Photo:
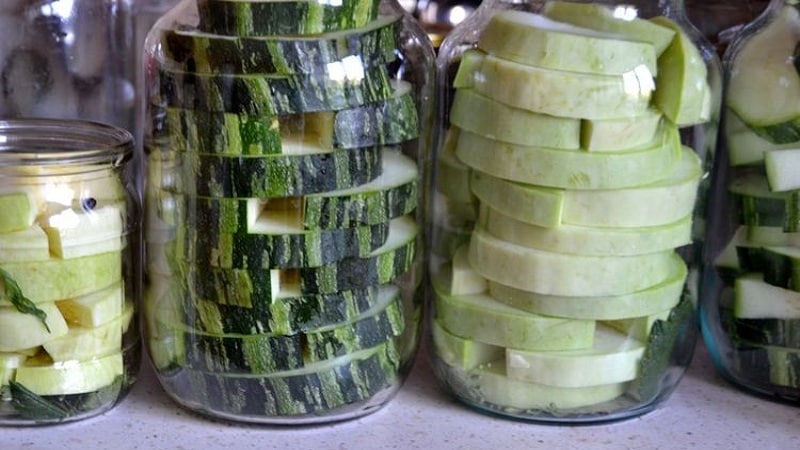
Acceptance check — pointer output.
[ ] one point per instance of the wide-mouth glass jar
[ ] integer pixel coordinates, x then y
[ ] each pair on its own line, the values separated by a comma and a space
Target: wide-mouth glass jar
69, 270
287, 152
574, 148
752, 295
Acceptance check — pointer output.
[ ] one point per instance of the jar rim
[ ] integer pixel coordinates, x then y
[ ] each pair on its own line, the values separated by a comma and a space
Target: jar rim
44, 141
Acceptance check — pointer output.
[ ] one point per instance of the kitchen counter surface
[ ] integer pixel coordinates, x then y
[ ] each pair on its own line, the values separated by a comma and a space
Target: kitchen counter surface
704, 412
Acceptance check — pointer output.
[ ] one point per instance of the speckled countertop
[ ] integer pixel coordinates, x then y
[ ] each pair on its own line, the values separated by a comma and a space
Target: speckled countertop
704, 412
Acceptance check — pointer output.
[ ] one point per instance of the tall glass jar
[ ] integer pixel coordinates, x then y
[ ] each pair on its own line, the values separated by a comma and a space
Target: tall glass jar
287, 158
572, 166
69, 59
752, 296
69, 272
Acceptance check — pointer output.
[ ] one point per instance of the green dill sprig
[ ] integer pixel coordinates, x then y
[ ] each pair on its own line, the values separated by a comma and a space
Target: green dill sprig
18, 299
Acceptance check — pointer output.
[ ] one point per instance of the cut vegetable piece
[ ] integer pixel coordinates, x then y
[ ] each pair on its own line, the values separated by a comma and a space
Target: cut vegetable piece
18, 212
20, 331
274, 95
82, 343
757, 205
620, 134
764, 87
561, 274
581, 240
540, 41
756, 299
94, 309
286, 17
195, 51
279, 175
58, 279
474, 112
389, 121
745, 146
481, 318
74, 378
314, 389
663, 202
8, 366
559, 93
774, 364
682, 93
464, 354
648, 301
74, 234
453, 174
639, 328
268, 353
776, 332
29, 244
614, 358
276, 245
462, 279
781, 166
619, 20
571, 169
493, 386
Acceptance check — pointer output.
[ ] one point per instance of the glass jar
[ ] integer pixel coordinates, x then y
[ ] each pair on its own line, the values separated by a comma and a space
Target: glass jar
568, 207
69, 272
751, 299
287, 152
69, 59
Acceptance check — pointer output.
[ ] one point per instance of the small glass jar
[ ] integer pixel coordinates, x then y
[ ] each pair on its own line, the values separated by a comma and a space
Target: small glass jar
287, 151
751, 293
568, 206
69, 270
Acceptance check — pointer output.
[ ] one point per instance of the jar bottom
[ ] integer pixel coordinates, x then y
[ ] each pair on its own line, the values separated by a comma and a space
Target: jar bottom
78, 407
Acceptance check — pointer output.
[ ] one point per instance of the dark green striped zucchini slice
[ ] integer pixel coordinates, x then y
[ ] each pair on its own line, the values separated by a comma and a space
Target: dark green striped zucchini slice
284, 175
385, 122
275, 246
313, 390
777, 365
758, 206
267, 353
283, 313
775, 331
261, 95
289, 17
392, 194
191, 50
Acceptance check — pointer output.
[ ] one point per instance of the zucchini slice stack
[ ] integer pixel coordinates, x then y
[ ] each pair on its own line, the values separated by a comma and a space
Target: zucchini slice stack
281, 208
563, 193
761, 304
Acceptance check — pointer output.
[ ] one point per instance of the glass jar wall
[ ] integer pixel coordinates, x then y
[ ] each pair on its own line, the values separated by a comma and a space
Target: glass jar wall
287, 152
69, 271
751, 299
568, 206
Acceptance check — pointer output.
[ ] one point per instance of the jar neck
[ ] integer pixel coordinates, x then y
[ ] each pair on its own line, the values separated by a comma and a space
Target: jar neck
645, 8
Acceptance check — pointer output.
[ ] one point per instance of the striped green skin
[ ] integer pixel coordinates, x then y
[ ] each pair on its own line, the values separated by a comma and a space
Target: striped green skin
260, 95
268, 353
283, 315
210, 247
779, 133
192, 50
288, 17
777, 332
385, 122
756, 205
393, 194
385, 264
768, 366
312, 391
277, 175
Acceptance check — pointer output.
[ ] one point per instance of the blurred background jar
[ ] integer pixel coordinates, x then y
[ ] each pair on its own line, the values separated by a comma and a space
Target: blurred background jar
751, 296
568, 207
720, 20
69, 270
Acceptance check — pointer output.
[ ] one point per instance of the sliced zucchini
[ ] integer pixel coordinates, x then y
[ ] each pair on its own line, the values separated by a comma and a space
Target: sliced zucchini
287, 17
611, 135
192, 50
756, 299
42, 377
29, 244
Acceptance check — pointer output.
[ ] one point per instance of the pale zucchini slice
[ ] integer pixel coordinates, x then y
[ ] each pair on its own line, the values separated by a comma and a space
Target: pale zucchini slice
614, 358
540, 41
620, 134
465, 354
481, 115
782, 169
561, 274
745, 146
550, 167
764, 86
66, 379
30, 244
20, 331
647, 301
754, 298
559, 93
